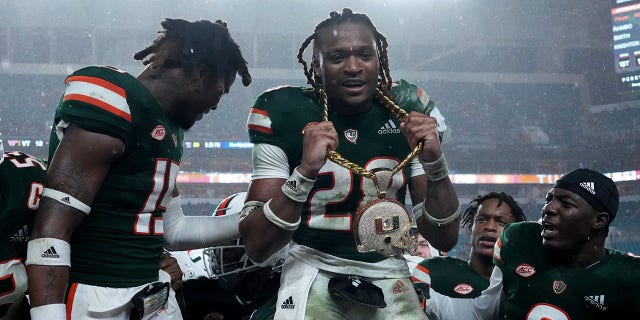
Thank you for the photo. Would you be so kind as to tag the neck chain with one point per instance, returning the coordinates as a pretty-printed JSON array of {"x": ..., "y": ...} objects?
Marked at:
[{"x": 383, "y": 176}]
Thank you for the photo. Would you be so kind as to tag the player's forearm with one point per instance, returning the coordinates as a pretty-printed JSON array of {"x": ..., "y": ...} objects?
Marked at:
[
  {"x": 47, "y": 284},
  {"x": 262, "y": 238},
  {"x": 441, "y": 203}
]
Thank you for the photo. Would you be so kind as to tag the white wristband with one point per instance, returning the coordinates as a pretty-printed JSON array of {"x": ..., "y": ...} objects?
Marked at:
[
  {"x": 284, "y": 225},
  {"x": 48, "y": 252},
  {"x": 436, "y": 170},
  {"x": 441, "y": 222},
  {"x": 66, "y": 199},
  {"x": 297, "y": 187},
  {"x": 56, "y": 311}
]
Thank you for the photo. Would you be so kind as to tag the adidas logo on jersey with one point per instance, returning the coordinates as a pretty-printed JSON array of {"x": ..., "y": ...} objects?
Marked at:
[
  {"x": 388, "y": 128},
  {"x": 589, "y": 186},
  {"x": 288, "y": 304},
  {"x": 596, "y": 301},
  {"x": 50, "y": 253},
  {"x": 22, "y": 235}
]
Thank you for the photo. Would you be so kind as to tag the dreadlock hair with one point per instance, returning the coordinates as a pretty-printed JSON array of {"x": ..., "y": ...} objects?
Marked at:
[
  {"x": 469, "y": 215},
  {"x": 200, "y": 43},
  {"x": 384, "y": 78},
  {"x": 384, "y": 75}
]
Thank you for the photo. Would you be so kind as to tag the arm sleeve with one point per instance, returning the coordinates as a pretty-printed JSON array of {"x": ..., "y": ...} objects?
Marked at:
[
  {"x": 438, "y": 305},
  {"x": 488, "y": 305},
  {"x": 269, "y": 161},
  {"x": 192, "y": 232}
]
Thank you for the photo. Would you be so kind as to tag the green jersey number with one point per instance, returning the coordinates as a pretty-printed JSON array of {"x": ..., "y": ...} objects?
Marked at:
[
  {"x": 342, "y": 189},
  {"x": 545, "y": 311},
  {"x": 164, "y": 180},
  {"x": 21, "y": 161}
]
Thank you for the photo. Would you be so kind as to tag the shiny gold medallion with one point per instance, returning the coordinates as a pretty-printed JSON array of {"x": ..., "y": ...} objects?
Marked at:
[{"x": 382, "y": 225}]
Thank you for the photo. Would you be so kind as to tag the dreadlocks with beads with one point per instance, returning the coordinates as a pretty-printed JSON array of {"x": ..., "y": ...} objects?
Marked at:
[
  {"x": 469, "y": 215},
  {"x": 190, "y": 44},
  {"x": 347, "y": 16}
]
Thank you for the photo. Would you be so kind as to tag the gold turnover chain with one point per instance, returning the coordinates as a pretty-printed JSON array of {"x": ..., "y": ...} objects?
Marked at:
[{"x": 337, "y": 158}]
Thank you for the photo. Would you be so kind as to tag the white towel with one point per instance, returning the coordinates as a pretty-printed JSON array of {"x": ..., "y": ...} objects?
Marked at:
[{"x": 296, "y": 280}]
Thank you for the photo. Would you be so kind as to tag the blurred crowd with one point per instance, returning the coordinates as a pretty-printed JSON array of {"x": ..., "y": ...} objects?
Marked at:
[{"x": 492, "y": 127}]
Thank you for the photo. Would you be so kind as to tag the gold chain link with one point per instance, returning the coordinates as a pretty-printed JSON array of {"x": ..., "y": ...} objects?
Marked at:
[{"x": 337, "y": 158}]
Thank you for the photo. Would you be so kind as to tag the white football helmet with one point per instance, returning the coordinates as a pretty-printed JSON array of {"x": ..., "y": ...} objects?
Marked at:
[
  {"x": 192, "y": 264},
  {"x": 224, "y": 262},
  {"x": 231, "y": 258}
]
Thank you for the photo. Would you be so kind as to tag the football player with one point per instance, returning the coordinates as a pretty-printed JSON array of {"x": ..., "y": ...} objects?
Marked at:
[
  {"x": 382, "y": 137},
  {"x": 559, "y": 268},
  {"x": 110, "y": 202},
  {"x": 221, "y": 280},
  {"x": 442, "y": 278},
  {"x": 21, "y": 184}
]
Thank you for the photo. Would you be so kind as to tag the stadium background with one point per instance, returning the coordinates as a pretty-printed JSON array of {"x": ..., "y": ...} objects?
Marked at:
[{"x": 526, "y": 86}]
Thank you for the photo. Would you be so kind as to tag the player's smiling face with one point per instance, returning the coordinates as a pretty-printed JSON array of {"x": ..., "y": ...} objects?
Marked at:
[
  {"x": 348, "y": 65},
  {"x": 488, "y": 223},
  {"x": 567, "y": 220}
]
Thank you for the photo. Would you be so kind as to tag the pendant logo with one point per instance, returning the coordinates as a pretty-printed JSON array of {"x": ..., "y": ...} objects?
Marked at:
[
  {"x": 158, "y": 132},
  {"x": 387, "y": 224},
  {"x": 351, "y": 135}
]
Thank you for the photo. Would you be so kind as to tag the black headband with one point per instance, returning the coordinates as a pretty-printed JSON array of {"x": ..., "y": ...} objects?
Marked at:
[{"x": 595, "y": 188}]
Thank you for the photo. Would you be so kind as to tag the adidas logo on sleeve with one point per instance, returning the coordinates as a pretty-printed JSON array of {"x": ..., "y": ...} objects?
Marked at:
[{"x": 288, "y": 304}]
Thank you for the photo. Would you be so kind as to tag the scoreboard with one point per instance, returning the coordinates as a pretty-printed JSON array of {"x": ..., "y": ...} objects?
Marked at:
[{"x": 625, "y": 24}]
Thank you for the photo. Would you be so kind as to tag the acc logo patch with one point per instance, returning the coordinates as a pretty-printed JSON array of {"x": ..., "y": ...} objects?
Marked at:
[
  {"x": 559, "y": 286},
  {"x": 158, "y": 132},
  {"x": 351, "y": 135},
  {"x": 525, "y": 270},
  {"x": 463, "y": 288}
]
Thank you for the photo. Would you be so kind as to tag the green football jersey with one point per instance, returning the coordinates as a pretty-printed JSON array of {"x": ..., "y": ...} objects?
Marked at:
[
  {"x": 449, "y": 276},
  {"x": 119, "y": 243},
  {"x": 21, "y": 184},
  {"x": 535, "y": 288},
  {"x": 371, "y": 140}
]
